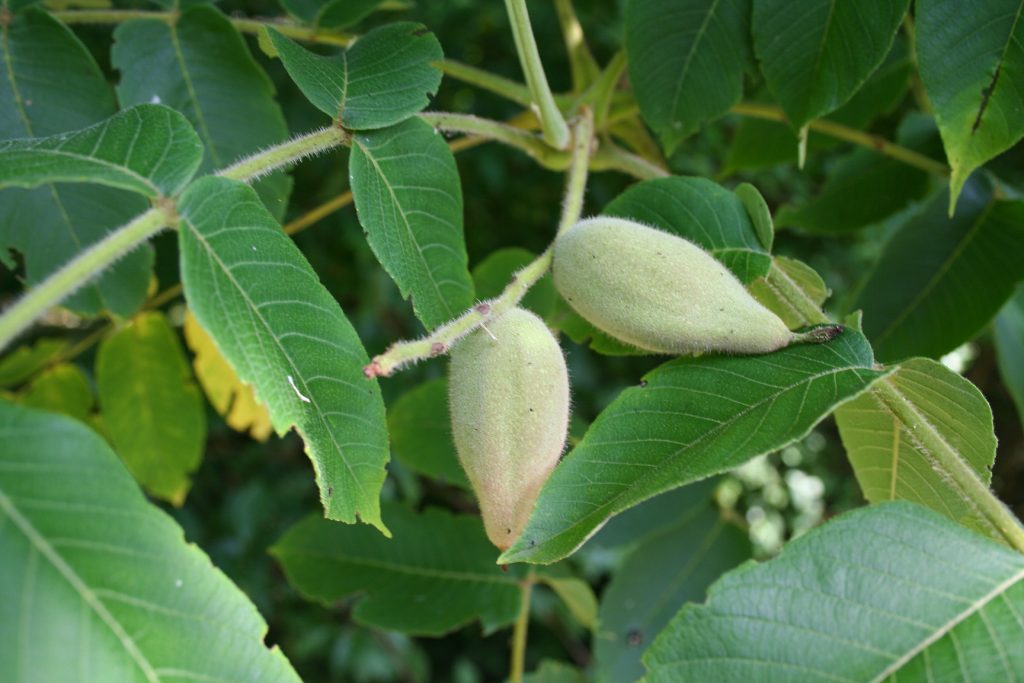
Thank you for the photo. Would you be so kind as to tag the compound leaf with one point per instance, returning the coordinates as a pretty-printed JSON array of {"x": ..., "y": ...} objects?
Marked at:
[
  {"x": 199, "y": 65},
  {"x": 384, "y": 78},
  {"x": 891, "y": 592},
  {"x": 686, "y": 61},
  {"x": 815, "y": 55},
  {"x": 148, "y": 149},
  {"x": 940, "y": 280},
  {"x": 50, "y": 84},
  {"x": 971, "y": 57},
  {"x": 436, "y": 575},
  {"x": 689, "y": 419},
  {"x": 409, "y": 200},
  {"x": 151, "y": 408},
  {"x": 107, "y": 588},
  {"x": 251, "y": 288},
  {"x": 890, "y": 460}
]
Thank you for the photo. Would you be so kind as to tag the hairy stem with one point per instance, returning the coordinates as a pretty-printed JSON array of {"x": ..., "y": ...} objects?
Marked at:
[
  {"x": 79, "y": 270},
  {"x": 841, "y": 132},
  {"x": 519, "y": 631},
  {"x": 296, "y": 149},
  {"x": 789, "y": 291},
  {"x": 576, "y": 182},
  {"x": 444, "y": 337},
  {"x": 522, "y": 140},
  {"x": 553, "y": 126},
  {"x": 952, "y": 464}
]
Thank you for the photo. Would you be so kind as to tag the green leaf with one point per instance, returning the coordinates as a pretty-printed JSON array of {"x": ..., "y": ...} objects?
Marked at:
[
  {"x": 686, "y": 61},
  {"x": 148, "y": 149},
  {"x": 863, "y": 187},
  {"x": 384, "y": 78},
  {"x": 230, "y": 397},
  {"x": 437, "y": 575},
  {"x": 50, "y": 84},
  {"x": 577, "y": 595},
  {"x": 151, "y": 408},
  {"x": 199, "y": 65},
  {"x": 793, "y": 291},
  {"x": 890, "y": 592},
  {"x": 62, "y": 389},
  {"x": 815, "y": 55},
  {"x": 107, "y": 587},
  {"x": 689, "y": 419},
  {"x": 251, "y": 288},
  {"x": 971, "y": 60},
  {"x": 892, "y": 463},
  {"x": 421, "y": 433},
  {"x": 704, "y": 213},
  {"x": 669, "y": 568},
  {"x": 493, "y": 274},
  {"x": 330, "y": 13},
  {"x": 25, "y": 361},
  {"x": 409, "y": 200},
  {"x": 1010, "y": 348},
  {"x": 759, "y": 213},
  {"x": 941, "y": 280}
]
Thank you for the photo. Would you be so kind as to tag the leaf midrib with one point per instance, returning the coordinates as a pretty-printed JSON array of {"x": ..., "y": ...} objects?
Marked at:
[
  {"x": 270, "y": 332},
  {"x": 974, "y": 608},
  {"x": 405, "y": 221},
  {"x": 610, "y": 503},
  {"x": 100, "y": 162},
  {"x": 425, "y": 572},
  {"x": 926, "y": 291},
  {"x": 84, "y": 592}
]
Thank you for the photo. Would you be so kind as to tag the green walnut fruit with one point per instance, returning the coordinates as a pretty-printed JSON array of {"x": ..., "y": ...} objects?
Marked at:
[
  {"x": 660, "y": 292},
  {"x": 509, "y": 395}
]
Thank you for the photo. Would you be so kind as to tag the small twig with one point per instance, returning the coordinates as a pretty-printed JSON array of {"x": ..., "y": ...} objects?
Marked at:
[
  {"x": 841, "y": 132},
  {"x": 520, "y": 629}
]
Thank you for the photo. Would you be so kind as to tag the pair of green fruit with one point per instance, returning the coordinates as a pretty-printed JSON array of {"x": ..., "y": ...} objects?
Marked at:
[{"x": 509, "y": 387}]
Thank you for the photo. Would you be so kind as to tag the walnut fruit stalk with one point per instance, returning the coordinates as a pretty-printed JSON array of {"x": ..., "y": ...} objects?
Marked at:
[{"x": 509, "y": 396}]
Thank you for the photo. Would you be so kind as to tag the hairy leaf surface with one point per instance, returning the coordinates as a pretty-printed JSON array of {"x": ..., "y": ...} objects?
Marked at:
[
  {"x": 148, "y": 149},
  {"x": 892, "y": 463},
  {"x": 384, "y": 78},
  {"x": 409, "y": 200},
  {"x": 254, "y": 292}
]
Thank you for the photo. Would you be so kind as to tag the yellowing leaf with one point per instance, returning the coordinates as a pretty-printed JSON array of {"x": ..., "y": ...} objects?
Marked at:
[{"x": 231, "y": 397}]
